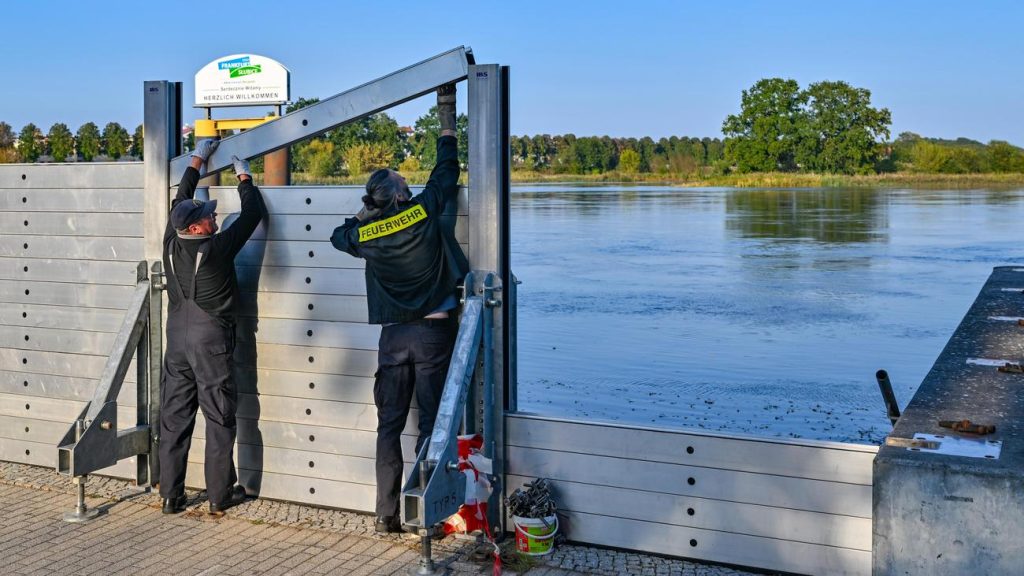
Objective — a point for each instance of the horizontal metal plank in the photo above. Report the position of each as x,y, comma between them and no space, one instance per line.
682,480
57,363
338,387
65,294
72,224
69,247
308,411
314,491
292,436
347,469
298,280
76,271
830,461
333,387
709,545
72,175
294,253
72,200
57,387
343,201
69,317
300,332
25,452
319,306
310,359
32,430
686,511
40,408
56,340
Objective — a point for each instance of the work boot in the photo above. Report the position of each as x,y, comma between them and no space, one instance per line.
235,497
174,504
387,524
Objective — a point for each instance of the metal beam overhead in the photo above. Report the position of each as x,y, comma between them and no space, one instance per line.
381,94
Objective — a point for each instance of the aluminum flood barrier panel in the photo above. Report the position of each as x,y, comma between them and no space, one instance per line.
71,239
795,506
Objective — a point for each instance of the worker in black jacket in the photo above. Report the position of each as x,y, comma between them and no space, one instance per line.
202,290
413,265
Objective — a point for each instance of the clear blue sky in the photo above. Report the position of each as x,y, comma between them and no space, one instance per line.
621,68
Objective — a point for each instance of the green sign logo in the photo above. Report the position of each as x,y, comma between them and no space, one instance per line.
239,67
245,71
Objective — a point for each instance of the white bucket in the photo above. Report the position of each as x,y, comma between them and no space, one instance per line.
535,537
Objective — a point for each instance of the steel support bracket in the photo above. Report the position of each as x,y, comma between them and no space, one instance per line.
436,488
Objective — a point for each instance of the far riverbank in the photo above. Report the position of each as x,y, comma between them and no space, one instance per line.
752,180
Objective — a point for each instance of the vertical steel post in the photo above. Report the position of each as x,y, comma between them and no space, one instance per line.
142,388
162,129
489,244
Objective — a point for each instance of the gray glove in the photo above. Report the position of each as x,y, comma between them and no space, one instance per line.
446,106
204,148
241,166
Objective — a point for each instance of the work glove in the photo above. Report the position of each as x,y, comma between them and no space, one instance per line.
446,106
204,148
241,166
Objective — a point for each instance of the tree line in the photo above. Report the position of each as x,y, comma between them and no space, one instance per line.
59,144
829,127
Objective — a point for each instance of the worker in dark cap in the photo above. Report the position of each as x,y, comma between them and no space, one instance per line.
413,265
203,291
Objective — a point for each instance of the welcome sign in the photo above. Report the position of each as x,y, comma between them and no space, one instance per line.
242,80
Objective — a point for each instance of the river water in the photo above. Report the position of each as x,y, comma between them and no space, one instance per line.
757,311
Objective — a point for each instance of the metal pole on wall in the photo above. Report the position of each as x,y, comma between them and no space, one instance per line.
162,129
489,251
276,165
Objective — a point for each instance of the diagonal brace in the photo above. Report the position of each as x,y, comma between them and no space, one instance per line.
370,98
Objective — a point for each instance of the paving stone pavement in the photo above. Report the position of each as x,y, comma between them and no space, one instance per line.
259,537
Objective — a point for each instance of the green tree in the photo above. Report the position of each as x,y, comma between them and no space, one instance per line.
843,129
425,134
320,159
138,143
765,135
115,140
7,137
629,161
29,147
62,142
1004,157
366,157
88,139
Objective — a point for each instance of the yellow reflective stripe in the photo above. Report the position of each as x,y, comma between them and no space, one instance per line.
399,221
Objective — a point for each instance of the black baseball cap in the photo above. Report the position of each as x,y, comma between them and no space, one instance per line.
190,211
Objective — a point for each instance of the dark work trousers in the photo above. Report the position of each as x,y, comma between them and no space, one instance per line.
413,358
197,373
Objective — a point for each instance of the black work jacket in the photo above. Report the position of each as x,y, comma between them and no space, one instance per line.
412,259
216,282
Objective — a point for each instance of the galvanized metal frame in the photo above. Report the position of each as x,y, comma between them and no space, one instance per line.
489,184
94,441
162,122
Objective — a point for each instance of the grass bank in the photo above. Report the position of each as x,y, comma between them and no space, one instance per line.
755,180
